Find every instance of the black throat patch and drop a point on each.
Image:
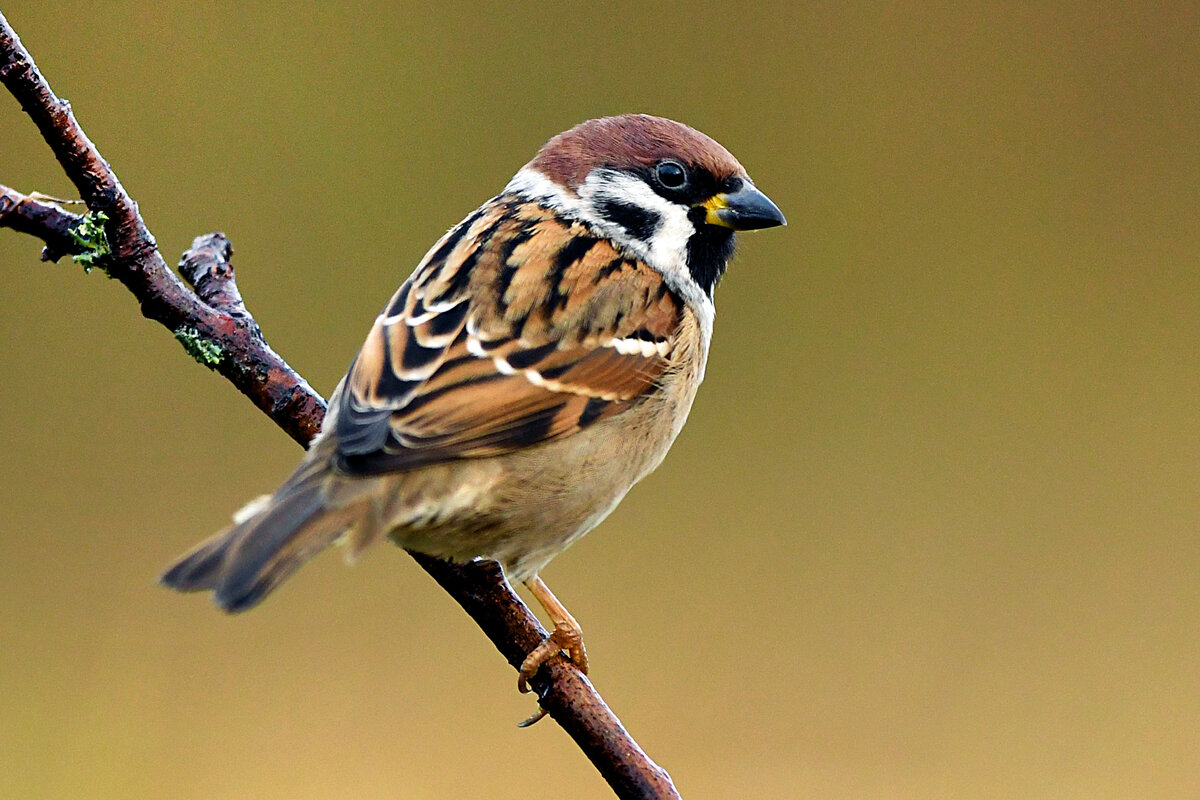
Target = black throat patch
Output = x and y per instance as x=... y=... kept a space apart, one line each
x=708 y=253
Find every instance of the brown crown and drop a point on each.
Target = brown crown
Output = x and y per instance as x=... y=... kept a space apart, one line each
x=627 y=141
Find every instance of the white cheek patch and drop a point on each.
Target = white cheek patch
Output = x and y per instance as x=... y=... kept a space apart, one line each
x=666 y=246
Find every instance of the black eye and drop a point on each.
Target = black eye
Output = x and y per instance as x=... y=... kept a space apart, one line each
x=671 y=174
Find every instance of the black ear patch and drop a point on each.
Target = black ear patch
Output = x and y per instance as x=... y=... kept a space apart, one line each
x=640 y=223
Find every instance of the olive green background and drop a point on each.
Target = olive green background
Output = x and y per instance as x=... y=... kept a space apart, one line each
x=933 y=529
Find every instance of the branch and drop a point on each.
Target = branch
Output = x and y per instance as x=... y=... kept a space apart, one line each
x=46 y=221
x=214 y=326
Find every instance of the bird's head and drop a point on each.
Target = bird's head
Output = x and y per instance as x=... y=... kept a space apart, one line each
x=665 y=192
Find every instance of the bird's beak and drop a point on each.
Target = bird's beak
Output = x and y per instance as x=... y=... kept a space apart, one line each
x=747 y=209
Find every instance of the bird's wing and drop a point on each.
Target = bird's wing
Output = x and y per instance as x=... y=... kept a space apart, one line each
x=516 y=328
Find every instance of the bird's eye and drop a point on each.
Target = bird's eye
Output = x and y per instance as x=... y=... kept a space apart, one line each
x=671 y=174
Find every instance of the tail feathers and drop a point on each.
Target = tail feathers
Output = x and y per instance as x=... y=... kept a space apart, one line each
x=242 y=564
x=199 y=569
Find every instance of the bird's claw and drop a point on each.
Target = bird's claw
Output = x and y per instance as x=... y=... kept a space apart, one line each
x=568 y=638
x=564 y=638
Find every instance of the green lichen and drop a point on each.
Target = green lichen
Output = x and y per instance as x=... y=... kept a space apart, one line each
x=206 y=352
x=90 y=236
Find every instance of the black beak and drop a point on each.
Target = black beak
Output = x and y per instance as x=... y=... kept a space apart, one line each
x=747 y=209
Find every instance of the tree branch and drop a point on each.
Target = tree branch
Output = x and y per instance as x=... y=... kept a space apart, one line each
x=47 y=221
x=214 y=326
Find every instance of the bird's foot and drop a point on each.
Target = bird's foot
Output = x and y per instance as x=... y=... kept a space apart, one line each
x=568 y=638
x=565 y=637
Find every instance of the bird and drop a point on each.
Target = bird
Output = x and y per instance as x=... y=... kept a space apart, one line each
x=540 y=360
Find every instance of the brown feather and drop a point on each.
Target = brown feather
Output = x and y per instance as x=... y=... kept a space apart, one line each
x=499 y=340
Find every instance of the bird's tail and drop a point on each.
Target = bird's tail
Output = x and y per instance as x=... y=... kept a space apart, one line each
x=270 y=539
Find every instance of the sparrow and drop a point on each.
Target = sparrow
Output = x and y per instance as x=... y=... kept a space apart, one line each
x=539 y=362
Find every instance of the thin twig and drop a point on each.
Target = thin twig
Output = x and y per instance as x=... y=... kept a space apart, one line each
x=46 y=221
x=213 y=324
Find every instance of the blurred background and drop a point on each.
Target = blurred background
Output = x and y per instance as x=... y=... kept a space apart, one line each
x=933 y=529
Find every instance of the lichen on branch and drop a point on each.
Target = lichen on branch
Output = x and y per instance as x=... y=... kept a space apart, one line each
x=205 y=351
x=92 y=240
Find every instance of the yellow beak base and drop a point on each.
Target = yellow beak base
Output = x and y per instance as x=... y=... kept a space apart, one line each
x=747 y=209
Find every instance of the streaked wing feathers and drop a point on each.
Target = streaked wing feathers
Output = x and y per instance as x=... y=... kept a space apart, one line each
x=516 y=328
